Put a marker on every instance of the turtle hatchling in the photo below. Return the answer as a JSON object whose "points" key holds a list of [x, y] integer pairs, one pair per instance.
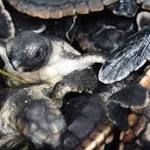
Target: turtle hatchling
{"points": [[36, 59]]}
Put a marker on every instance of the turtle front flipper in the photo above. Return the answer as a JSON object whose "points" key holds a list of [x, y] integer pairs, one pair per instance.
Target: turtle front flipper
{"points": [[6, 25], [89, 59], [78, 81]]}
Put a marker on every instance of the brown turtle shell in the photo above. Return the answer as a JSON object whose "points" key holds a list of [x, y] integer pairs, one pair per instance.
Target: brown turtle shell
{"points": [[58, 8]]}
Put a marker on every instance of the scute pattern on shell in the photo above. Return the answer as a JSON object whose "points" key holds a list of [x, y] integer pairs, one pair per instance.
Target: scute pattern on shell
{"points": [[57, 9]]}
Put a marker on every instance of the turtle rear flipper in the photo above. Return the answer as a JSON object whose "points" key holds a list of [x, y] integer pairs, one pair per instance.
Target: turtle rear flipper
{"points": [[118, 115]]}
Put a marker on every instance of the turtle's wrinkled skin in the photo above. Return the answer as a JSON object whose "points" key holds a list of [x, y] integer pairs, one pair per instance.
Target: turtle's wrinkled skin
{"points": [[26, 113], [57, 9], [6, 25]]}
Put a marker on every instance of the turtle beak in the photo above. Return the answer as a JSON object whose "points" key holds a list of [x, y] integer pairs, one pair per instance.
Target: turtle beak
{"points": [[40, 125]]}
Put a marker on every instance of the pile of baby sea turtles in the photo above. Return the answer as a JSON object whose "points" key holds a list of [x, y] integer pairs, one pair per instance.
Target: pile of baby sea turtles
{"points": [[73, 81]]}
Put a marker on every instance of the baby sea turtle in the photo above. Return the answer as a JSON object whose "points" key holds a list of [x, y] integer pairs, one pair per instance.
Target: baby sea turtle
{"points": [[36, 59], [6, 25], [26, 113]]}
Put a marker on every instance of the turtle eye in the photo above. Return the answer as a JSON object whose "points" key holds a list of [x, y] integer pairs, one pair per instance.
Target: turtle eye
{"points": [[38, 54]]}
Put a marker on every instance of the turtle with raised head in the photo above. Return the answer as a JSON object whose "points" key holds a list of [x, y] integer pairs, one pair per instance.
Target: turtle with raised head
{"points": [[38, 59]]}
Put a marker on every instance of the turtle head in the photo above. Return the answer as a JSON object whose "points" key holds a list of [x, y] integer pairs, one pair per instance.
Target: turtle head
{"points": [[41, 124], [29, 51]]}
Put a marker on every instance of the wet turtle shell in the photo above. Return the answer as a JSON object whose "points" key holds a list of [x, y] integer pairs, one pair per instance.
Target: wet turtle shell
{"points": [[57, 9], [6, 25]]}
